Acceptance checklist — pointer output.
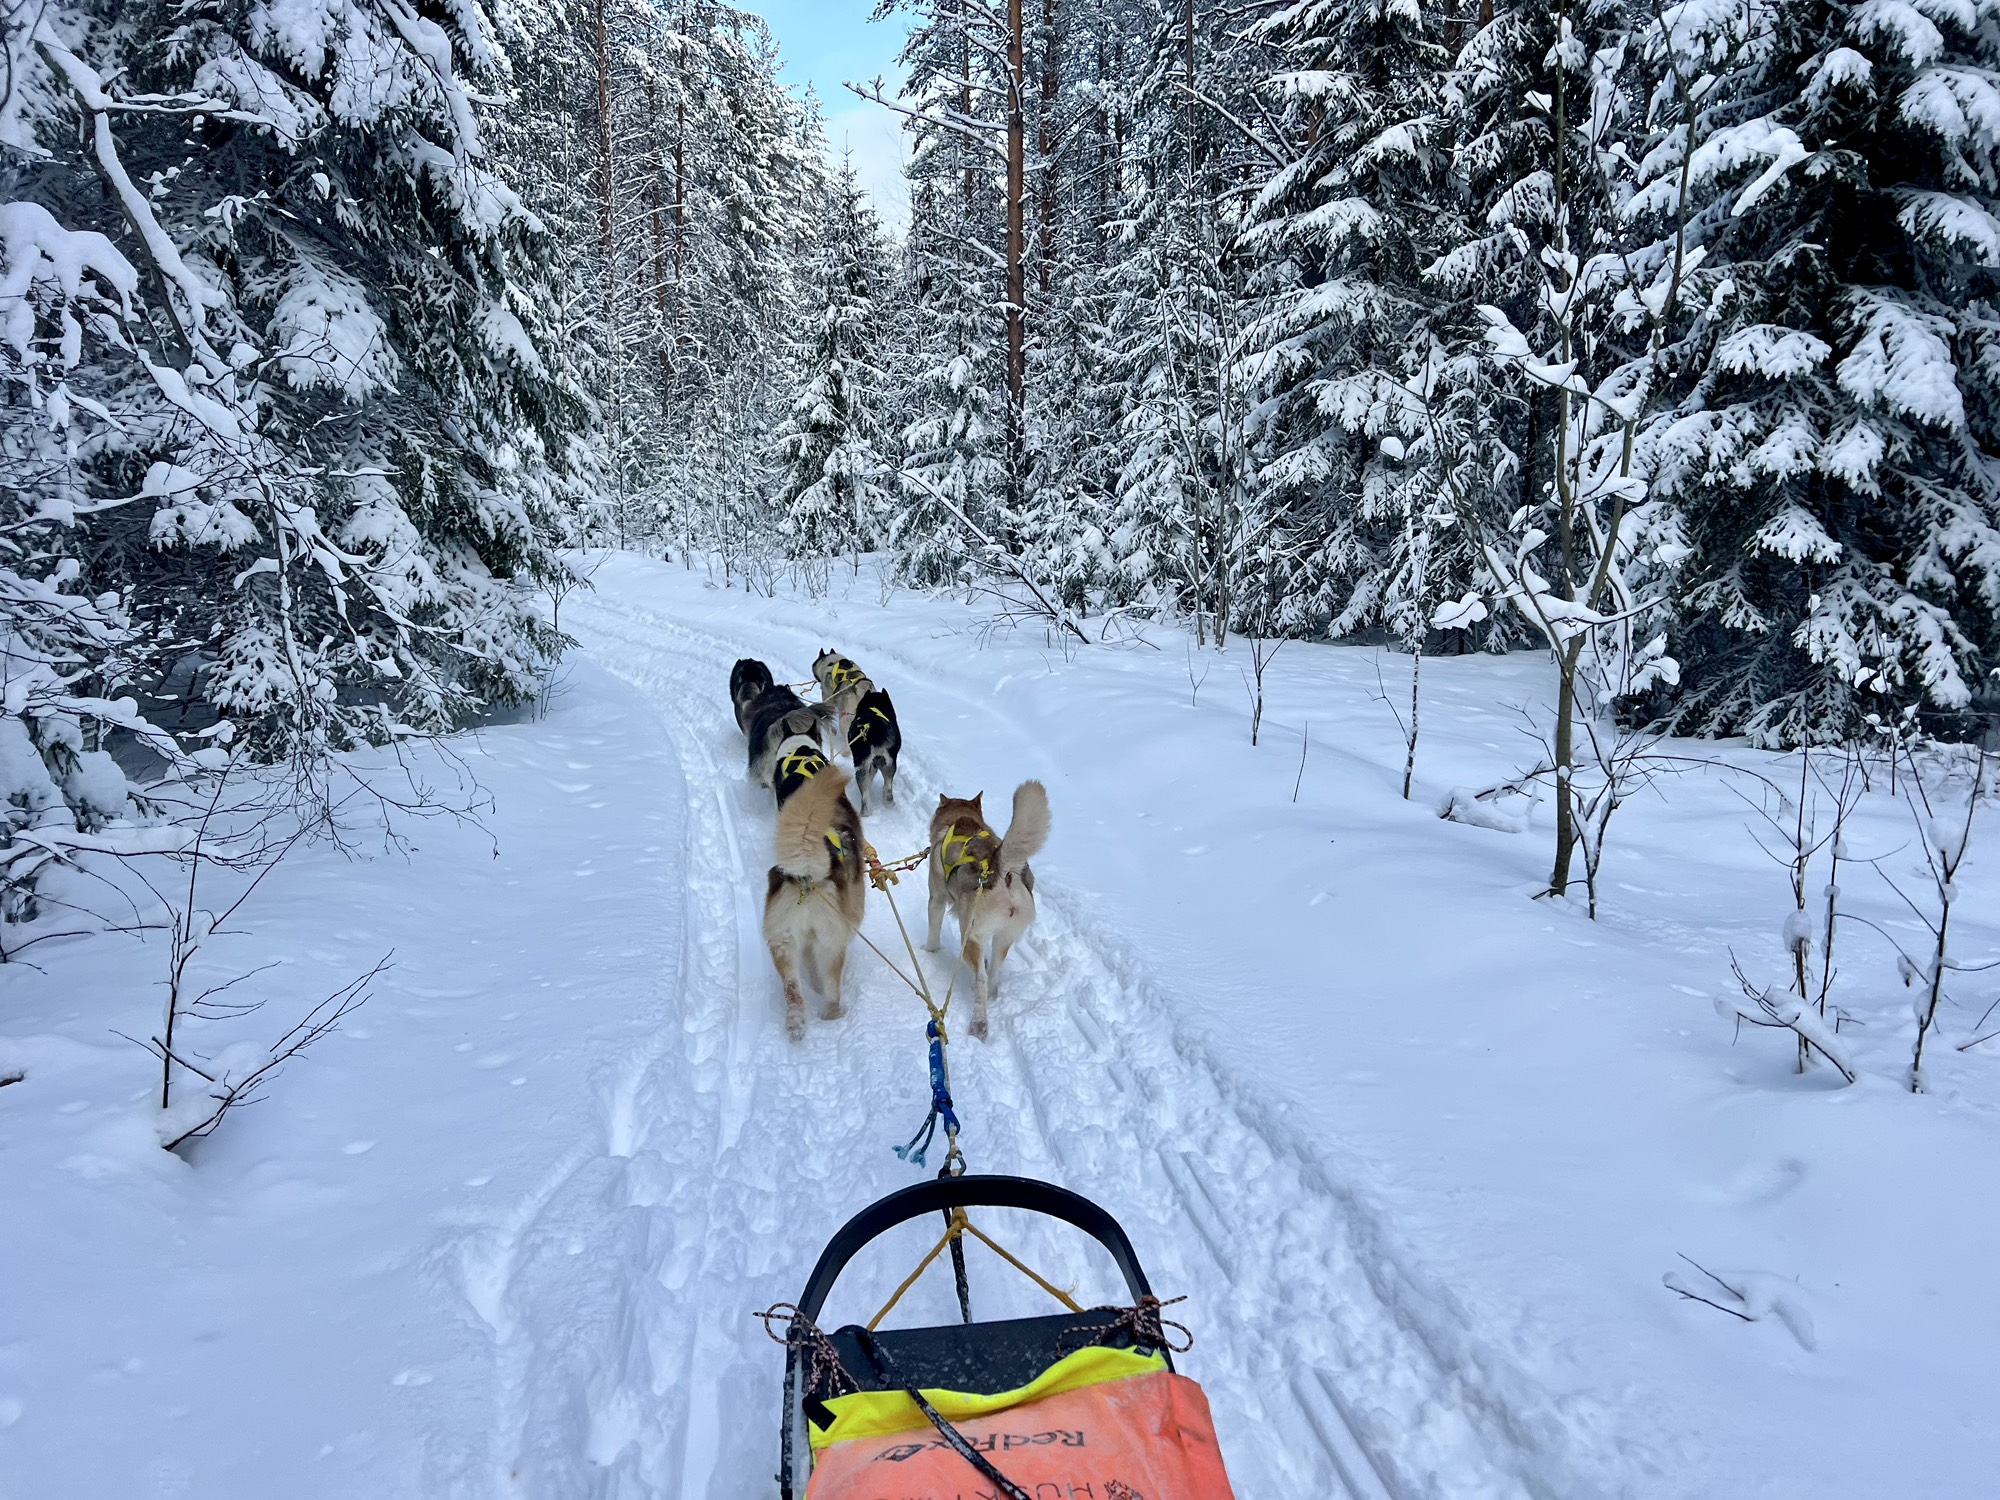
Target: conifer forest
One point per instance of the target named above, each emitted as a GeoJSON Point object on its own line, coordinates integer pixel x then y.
{"type": "Point", "coordinates": [1664, 333]}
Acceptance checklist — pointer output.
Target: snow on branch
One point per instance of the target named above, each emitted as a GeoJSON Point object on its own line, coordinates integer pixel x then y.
{"type": "Point", "coordinates": [1769, 1006]}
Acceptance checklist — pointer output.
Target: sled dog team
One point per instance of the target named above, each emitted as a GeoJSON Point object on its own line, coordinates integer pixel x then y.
{"type": "Point", "coordinates": [818, 884]}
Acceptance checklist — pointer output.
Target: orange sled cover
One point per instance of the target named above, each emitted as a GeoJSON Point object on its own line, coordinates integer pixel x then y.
{"type": "Point", "coordinates": [1101, 1424]}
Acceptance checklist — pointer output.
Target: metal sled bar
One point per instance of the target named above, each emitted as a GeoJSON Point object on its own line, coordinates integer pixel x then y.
{"type": "Point", "coordinates": [973, 1190]}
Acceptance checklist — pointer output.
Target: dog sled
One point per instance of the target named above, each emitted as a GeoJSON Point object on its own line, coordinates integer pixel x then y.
{"type": "Point", "coordinates": [1084, 1404]}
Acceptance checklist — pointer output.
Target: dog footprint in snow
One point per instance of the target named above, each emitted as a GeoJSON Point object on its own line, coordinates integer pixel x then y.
{"type": "Point", "coordinates": [1756, 1185]}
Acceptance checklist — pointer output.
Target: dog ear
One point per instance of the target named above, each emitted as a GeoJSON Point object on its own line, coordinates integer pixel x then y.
{"type": "Point", "coordinates": [976, 802]}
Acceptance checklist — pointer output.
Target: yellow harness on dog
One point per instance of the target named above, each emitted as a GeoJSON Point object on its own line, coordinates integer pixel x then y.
{"type": "Point", "coordinates": [964, 858]}
{"type": "Point", "coordinates": [804, 763]}
{"type": "Point", "coordinates": [841, 674]}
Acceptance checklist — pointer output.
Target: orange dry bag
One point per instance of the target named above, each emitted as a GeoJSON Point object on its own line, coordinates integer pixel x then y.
{"type": "Point", "coordinates": [1099, 1424]}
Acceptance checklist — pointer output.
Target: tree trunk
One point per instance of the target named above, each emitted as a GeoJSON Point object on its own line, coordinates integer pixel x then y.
{"type": "Point", "coordinates": [965, 104]}
{"type": "Point", "coordinates": [1017, 270]}
{"type": "Point", "coordinates": [1118, 124]}
{"type": "Point", "coordinates": [1416, 681]}
{"type": "Point", "coordinates": [1045, 146]}
{"type": "Point", "coordinates": [1565, 758]}
{"type": "Point", "coordinates": [603, 59]}
{"type": "Point", "coordinates": [1102, 214]}
{"type": "Point", "coordinates": [659, 218]}
{"type": "Point", "coordinates": [1570, 653]}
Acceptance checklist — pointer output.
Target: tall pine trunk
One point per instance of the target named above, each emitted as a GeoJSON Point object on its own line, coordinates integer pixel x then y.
{"type": "Point", "coordinates": [1045, 146]}
{"type": "Point", "coordinates": [1017, 268]}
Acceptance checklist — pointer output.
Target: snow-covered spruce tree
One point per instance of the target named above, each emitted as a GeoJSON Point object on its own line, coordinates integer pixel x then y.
{"type": "Point", "coordinates": [1188, 527]}
{"type": "Point", "coordinates": [681, 178]}
{"type": "Point", "coordinates": [67, 652]}
{"type": "Point", "coordinates": [328, 388]}
{"type": "Point", "coordinates": [832, 499]}
{"type": "Point", "coordinates": [953, 469]}
{"type": "Point", "coordinates": [1081, 102]}
{"type": "Point", "coordinates": [544, 141]}
{"type": "Point", "coordinates": [1833, 471]}
{"type": "Point", "coordinates": [1599, 292]}
{"type": "Point", "coordinates": [953, 462]}
{"type": "Point", "coordinates": [1356, 431]}
{"type": "Point", "coordinates": [1072, 418]}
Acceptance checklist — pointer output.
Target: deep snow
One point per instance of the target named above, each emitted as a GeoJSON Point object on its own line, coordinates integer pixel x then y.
{"type": "Point", "coordinates": [1418, 1149]}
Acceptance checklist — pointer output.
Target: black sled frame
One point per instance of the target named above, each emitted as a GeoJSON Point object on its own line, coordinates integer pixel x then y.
{"type": "Point", "coordinates": [984, 1357]}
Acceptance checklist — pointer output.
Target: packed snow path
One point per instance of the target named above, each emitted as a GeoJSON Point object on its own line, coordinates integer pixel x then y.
{"type": "Point", "coordinates": [619, 1294]}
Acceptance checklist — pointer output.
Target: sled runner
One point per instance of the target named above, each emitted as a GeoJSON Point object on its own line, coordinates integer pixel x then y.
{"type": "Point", "coordinates": [1083, 1404]}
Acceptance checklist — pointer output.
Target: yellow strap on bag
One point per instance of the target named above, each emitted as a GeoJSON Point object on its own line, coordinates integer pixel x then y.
{"type": "Point", "coordinates": [864, 1414]}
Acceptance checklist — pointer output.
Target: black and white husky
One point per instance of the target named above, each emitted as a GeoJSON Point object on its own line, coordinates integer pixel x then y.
{"type": "Point", "coordinates": [775, 716]}
{"type": "Point", "coordinates": [748, 680]}
{"type": "Point", "coordinates": [874, 740]}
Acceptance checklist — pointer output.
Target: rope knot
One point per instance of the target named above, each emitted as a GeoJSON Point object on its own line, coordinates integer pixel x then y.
{"type": "Point", "coordinates": [884, 873]}
{"type": "Point", "coordinates": [824, 1371]}
{"type": "Point", "coordinates": [1147, 1329]}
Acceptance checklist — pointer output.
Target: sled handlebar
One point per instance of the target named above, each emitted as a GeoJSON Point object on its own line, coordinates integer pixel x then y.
{"type": "Point", "coordinates": [973, 1190]}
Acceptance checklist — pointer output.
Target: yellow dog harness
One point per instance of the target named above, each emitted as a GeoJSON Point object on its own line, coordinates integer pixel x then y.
{"type": "Point", "coordinates": [841, 674]}
{"type": "Point", "coordinates": [956, 851]}
{"type": "Point", "coordinates": [803, 764]}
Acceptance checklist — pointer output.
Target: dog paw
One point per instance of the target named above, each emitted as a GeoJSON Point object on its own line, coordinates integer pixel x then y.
{"type": "Point", "coordinates": [978, 1027]}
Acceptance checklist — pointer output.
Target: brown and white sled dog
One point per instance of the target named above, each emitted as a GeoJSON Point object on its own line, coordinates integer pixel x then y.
{"type": "Point", "coordinates": [842, 686]}
{"type": "Point", "coordinates": [986, 880]}
{"type": "Point", "coordinates": [818, 891]}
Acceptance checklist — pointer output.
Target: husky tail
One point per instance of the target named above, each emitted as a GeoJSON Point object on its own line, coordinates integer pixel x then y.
{"type": "Point", "coordinates": [802, 850]}
{"type": "Point", "coordinates": [1029, 829]}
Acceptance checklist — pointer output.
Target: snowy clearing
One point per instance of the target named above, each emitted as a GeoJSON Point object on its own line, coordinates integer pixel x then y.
{"type": "Point", "coordinates": [1421, 1152]}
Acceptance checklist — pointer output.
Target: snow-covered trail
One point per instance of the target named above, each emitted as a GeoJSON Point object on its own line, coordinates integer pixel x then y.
{"type": "Point", "coordinates": [619, 1293]}
{"type": "Point", "coordinates": [1417, 1150]}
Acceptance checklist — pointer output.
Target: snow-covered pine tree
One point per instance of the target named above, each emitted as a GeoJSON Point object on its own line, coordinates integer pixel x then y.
{"type": "Point", "coordinates": [1359, 436]}
{"type": "Point", "coordinates": [953, 471]}
{"type": "Point", "coordinates": [1602, 154]}
{"type": "Point", "coordinates": [1832, 468]}
{"type": "Point", "coordinates": [832, 498]}
{"type": "Point", "coordinates": [279, 424]}
{"type": "Point", "coordinates": [1187, 526]}
{"type": "Point", "coordinates": [1085, 78]}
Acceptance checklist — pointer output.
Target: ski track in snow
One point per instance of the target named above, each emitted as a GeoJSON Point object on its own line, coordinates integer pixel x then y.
{"type": "Point", "coordinates": [619, 1295]}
